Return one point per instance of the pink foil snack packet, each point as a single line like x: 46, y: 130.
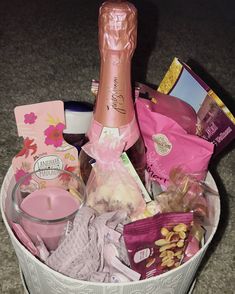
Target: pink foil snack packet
x: 170, y: 106
x: 41, y: 125
x: 156, y: 244
x: 169, y: 146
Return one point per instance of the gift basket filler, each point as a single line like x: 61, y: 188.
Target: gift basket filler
x: 117, y: 199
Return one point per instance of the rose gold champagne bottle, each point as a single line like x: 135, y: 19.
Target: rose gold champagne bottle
x: 114, y: 112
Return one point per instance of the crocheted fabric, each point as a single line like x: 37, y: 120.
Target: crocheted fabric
x: 80, y: 254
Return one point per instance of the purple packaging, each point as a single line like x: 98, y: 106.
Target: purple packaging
x: 170, y: 106
x: 214, y: 125
x: 215, y: 122
x: 157, y: 244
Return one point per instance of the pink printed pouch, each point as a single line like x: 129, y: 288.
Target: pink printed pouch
x: 110, y: 186
x: 41, y: 125
x: 169, y: 146
x: 157, y: 244
x: 170, y: 106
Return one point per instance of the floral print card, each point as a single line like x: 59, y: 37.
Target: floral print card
x: 41, y: 125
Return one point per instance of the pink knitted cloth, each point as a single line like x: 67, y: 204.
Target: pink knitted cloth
x: 80, y: 254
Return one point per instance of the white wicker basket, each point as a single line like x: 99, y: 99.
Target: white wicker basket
x: 40, y: 279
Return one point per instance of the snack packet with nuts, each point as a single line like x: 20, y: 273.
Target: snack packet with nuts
x: 157, y: 244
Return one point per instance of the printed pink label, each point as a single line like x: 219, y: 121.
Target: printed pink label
x: 128, y: 133
x: 41, y: 125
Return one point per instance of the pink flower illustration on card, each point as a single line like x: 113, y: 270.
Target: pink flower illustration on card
x: 28, y: 145
x: 64, y: 177
x: 30, y: 118
x: 21, y: 173
x: 54, y: 135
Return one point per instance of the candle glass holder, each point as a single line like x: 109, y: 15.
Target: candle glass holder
x: 45, y: 202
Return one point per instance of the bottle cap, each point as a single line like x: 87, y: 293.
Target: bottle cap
x: 78, y: 117
x: 118, y: 26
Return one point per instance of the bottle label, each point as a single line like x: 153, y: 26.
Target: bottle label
x: 109, y: 132
x: 114, y: 104
x: 50, y: 163
x: 128, y: 133
x: 118, y: 100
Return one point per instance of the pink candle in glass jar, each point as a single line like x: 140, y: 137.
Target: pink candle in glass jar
x: 49, y: 209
